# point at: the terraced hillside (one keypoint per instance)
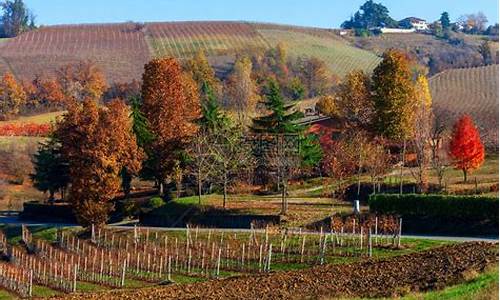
(473, 91)
(122, 49)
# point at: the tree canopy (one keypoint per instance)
(370, 15)
(16, 18)
(466, 148)
(172, 107)
(394, 96)
(280, 118)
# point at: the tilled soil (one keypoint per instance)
(432, 269)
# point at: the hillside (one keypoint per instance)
(121, 50)
(459, 51)
(473, 91)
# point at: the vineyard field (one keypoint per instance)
(183, 39)
(339, 55)
(46, 261)
(472, 91)
(121, 50)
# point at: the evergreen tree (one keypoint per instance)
(280, 119)
(445, 20)
(311, 152)
(140, 123)
(212, 116)
(51, 173)
(369, 15)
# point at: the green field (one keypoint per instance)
(338, 54)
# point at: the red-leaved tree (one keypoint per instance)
(466, 148)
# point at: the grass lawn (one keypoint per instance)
(484, 286)
(37, 119)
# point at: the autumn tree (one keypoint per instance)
(81, 81)
(12, 96)
(43, 93)
(376, 161)
(353, 101)
(340, 162)
(422, 132)
(98, 143)
(202, 73)
(171, 106)
(394, 96)
(394, 100)
(466, 148)
(241, 90)
(316, 76)
(296, 89)
(51, 173)
(327, 106)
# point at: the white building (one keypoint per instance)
(416, 23)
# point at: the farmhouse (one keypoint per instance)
(415, 23)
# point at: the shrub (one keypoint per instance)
(156, 202)
(473, 208)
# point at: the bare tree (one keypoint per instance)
(202, 162)
(421, 145)
(439, 159)
(377, 162)
(231, 156)
(283, 161)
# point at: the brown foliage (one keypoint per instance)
(171, 105)
(12, 96)
(81, 81)
(98, 143)
(43, 92)
(353, 102)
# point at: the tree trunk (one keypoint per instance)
(225, 191)
(199, 190)
(402, 166)
(465, 175)
(161, 191)
(359, 173)
(51, 196)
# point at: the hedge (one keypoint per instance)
(473, 208)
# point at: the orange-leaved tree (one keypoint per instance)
(81, 81)
(466, 148)
(12, 96)
(171, 105)
(98, 143)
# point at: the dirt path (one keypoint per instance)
(431, 269)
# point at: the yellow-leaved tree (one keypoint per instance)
(12, 96)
